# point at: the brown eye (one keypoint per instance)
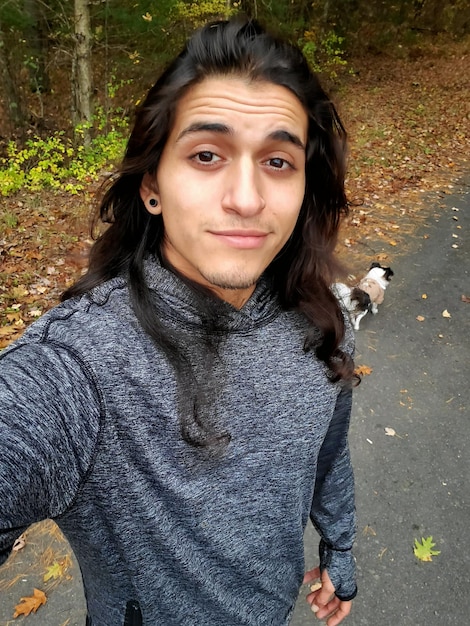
(206, 156)
(277, 163)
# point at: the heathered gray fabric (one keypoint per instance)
(90, 436)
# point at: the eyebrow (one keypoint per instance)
(223, 129)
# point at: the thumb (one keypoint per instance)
(313, 574)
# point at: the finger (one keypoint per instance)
(311, 597)
(325, 594)
(326, 609)
(343, 611)
(311, 575)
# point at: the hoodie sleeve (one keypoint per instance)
(333, 511)
(49, 422)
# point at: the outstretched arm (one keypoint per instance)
(49, 418)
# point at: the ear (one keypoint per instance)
(148, 191)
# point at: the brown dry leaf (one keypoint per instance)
(19, 292)
(392, 242)
(445, 313)
(6, 330)
(363, 370)
(30, 604)
(465, 298)
(19, 543)
(368, 530)
(420, 318)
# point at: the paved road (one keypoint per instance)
(417, 483)
(411, 485)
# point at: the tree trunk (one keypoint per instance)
(8, 92)
(39, 78)
(82, 74)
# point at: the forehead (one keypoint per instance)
(251, 105)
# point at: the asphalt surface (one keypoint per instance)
(411, 484)
(416, 483)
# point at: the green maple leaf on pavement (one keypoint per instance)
(53, 571)
(424, 550)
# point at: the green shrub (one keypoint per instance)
(56, 162)
(325, 53)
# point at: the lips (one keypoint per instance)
(242, 239)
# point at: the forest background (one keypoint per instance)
(72, 73)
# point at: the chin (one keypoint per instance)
(232, 282)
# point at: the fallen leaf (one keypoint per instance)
(390, 432)
(30, 604)
(19, 543)
(465, 298)
(382, 552)
(445, 313)
(19, 292)
(424, 296)
(6, 330)
(420, 318)
(53, 571)
(13, 317)
(363, 370)
(423, 551)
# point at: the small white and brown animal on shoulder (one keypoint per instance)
(366, 295)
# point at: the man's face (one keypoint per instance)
(230, 182)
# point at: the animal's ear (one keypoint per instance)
(388, 273)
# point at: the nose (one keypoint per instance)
(243, 189)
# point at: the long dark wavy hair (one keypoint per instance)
(303, 271)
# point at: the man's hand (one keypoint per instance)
(323, 601)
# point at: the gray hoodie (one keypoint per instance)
(90, 436)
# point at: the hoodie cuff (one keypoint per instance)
(341, 568)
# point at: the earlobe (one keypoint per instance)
(149, 194)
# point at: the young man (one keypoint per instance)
(185, 410)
